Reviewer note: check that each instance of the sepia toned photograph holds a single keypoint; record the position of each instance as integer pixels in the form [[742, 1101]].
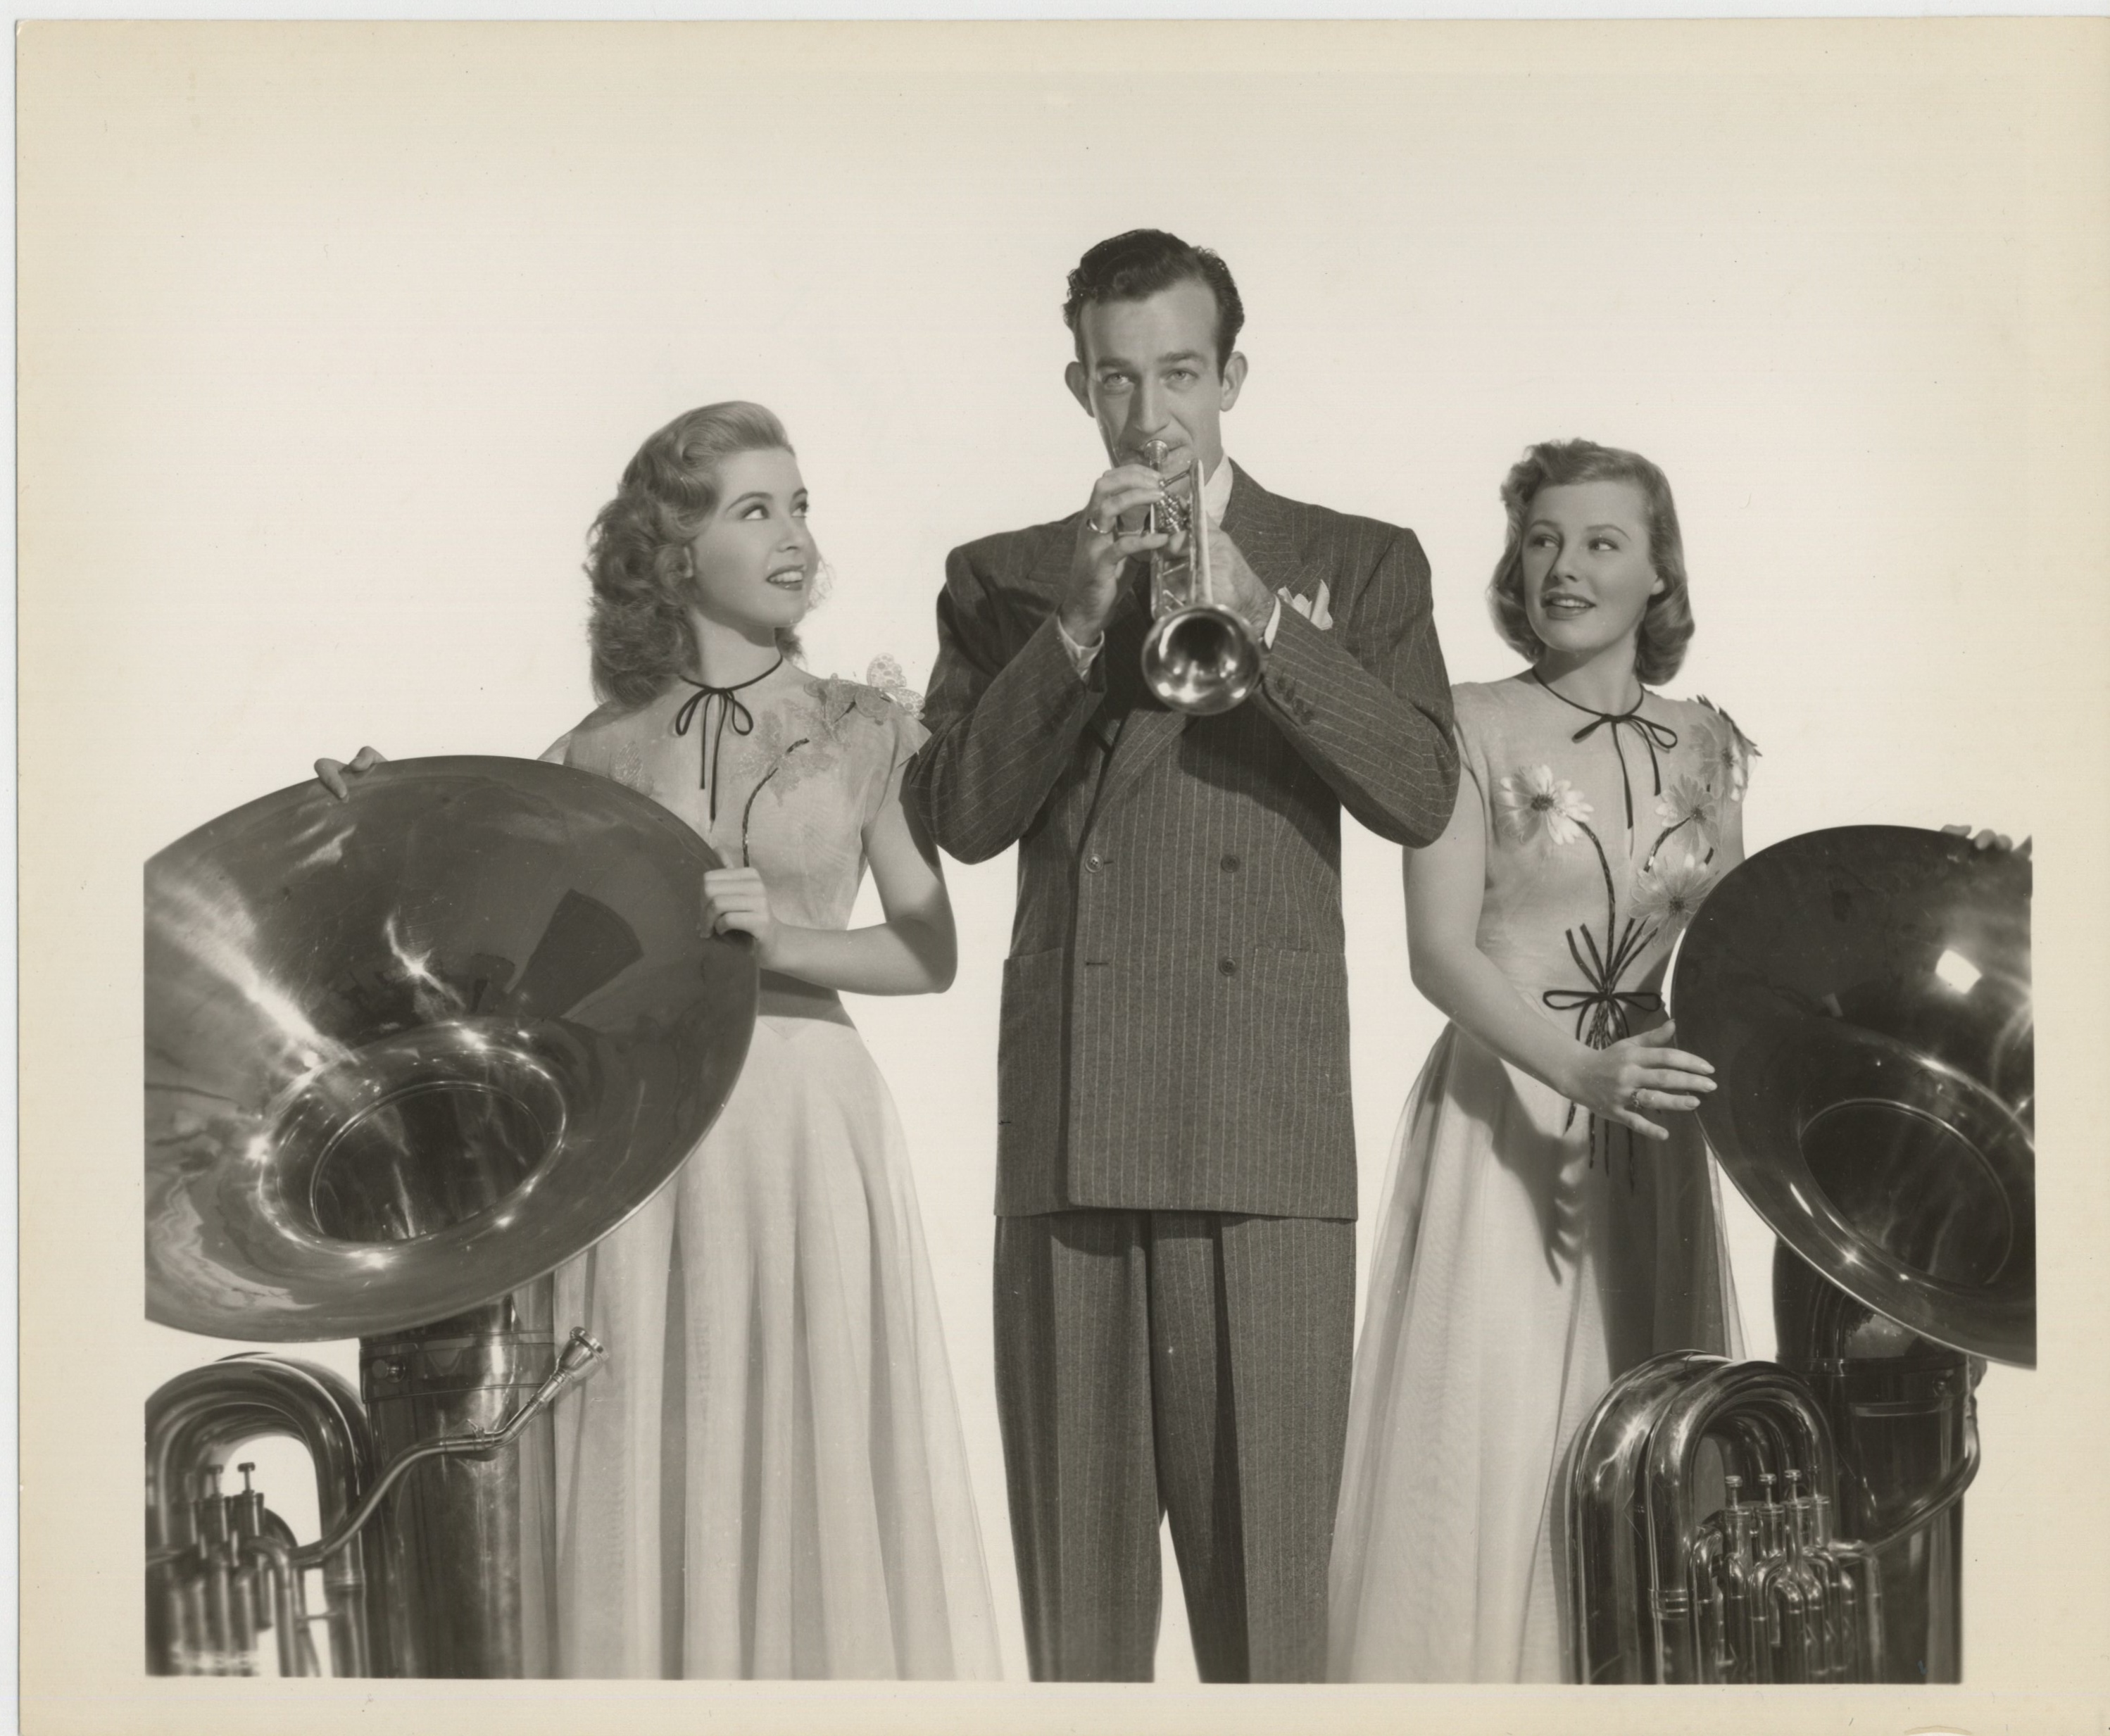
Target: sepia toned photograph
[[970, 874]]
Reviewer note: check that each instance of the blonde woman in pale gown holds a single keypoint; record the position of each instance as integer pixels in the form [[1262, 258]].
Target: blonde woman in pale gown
[[1551, 1217], [768, 1479]]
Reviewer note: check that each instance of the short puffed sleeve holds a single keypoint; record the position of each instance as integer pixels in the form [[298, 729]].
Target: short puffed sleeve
[[1728, 750], [588, 745], [888, 745]]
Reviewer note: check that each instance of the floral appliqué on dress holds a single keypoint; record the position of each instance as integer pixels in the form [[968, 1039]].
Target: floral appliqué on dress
[[792, 745], [1535, 800], [1730, 770], [1532, 804]]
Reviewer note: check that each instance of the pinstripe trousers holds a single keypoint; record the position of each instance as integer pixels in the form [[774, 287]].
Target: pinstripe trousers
[[1194, 1365]]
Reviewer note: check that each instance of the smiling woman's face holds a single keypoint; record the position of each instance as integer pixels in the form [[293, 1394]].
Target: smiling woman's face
[[754, 561], [1587, 576]]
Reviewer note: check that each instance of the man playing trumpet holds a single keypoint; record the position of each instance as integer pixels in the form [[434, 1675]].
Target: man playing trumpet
[[1176, 1161]]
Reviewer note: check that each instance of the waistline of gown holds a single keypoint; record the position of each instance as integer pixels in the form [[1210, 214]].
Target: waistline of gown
[[787, 997], [1537, 972]]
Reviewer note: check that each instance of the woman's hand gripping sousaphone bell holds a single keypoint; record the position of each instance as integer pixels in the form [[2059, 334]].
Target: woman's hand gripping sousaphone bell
[[407, 1053]]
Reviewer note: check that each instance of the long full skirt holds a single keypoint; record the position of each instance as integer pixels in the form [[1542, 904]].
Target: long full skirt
[[768, 1479], [1518, 1268]]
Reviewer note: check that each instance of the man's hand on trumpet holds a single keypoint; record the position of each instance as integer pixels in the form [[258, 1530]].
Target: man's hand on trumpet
[[1237, 587], [1111, 535]]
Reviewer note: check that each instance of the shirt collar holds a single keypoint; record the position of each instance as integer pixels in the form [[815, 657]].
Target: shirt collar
[[1216, 490]]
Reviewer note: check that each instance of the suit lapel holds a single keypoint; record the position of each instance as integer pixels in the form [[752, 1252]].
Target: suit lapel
[[1146, 732], [1256, 522]]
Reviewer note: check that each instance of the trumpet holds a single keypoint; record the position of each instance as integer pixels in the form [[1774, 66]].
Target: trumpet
[[1199, 657]]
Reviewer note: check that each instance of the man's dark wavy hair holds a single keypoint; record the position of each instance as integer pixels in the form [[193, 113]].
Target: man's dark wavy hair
[[1135, 266]]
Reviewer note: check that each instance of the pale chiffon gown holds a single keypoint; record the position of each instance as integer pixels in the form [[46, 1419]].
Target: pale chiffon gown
[[1523, 1256], [769, 1479]]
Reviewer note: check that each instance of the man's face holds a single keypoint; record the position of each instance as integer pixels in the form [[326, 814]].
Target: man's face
[[1149, 373]]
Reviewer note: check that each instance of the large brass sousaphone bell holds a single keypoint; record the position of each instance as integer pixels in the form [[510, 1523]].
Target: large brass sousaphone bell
[[405, 1054], [1864, 996]]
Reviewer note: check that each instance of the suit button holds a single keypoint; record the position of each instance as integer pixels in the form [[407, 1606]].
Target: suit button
[[1230, 864], [1227, 966], [1095, 862]]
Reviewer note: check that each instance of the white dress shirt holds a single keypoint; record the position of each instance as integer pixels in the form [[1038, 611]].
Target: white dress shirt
[[1215, 501]]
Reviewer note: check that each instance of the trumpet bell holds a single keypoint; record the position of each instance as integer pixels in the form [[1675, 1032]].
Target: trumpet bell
[[409, 1051], [1201, 659], [1864, 995]]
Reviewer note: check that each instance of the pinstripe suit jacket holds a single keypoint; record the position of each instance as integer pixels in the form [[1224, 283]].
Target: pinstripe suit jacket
[[1175, 1029]]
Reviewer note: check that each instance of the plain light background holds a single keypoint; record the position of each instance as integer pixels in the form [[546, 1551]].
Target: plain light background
[[335, 338]]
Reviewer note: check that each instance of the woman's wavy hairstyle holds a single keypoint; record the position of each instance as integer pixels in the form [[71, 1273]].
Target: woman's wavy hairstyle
[[1666, 626], [637, 552]]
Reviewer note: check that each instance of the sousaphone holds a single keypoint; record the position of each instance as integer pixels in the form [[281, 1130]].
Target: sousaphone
[[407, 1053], [1864, 994]]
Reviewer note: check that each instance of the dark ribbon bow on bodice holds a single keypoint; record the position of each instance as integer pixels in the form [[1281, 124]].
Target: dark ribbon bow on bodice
[[731, 709], [1601, 1010], [1653, 734]]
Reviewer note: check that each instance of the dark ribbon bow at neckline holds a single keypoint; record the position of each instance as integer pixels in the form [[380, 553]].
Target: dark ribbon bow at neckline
[[1654, 735], [731, 709]]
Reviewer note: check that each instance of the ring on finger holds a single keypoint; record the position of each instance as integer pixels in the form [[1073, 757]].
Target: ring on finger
[[1634, 1100]]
